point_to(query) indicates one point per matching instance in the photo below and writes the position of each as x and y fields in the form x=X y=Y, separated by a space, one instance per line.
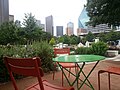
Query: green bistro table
x=77 y=59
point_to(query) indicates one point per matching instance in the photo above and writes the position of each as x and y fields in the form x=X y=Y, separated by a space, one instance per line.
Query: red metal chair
x=30 y=67
x=62 y=51
x=110 y=70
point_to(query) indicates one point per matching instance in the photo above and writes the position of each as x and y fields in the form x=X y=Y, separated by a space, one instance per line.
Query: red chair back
x=24 y=66
x=61 y=51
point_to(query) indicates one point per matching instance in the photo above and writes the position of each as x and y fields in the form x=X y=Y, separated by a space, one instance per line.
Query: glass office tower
x=83 y=18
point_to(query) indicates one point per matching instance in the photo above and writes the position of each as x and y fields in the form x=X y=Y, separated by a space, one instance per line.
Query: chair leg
x=99 y=72
x=62 y=79
x=69 y=72
x=98 y=80
x=53 y=75
x=109 y=80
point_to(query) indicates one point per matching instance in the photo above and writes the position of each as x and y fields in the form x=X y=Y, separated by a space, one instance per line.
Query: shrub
x=41 y=49
x=99 y=48
x=52 y=41
x=45 y=52
x=4 y=76
x=83 y=50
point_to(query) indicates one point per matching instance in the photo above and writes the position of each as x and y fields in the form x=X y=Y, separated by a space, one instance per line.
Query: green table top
x=78 y=58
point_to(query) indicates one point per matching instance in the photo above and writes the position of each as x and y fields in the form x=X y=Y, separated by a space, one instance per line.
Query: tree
x=90 y=37
x=102 y=37
x=52 y=41
x=8 y=33
x=112 y=36
x=33 y=32
x=60 y=39
x=66 y=39
x=103 y=11
x=73 y=40
x=18 y=23
x=46 y=36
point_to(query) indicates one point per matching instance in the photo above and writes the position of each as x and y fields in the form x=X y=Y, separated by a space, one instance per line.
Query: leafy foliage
x=41 y=49
x=60 y=39
x=99 y=48
x=103 y=11
x=66 y=40
x=13 y=33
x=74 y=40
x=83 y=50
x=45 y=52
x=90 y=37
x=69 y=39
x=8 y=33
x=111 y=36
x=32 y=30
x=52 y=41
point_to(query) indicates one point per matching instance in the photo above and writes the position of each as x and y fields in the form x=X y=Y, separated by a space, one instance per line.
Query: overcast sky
x=63 y=11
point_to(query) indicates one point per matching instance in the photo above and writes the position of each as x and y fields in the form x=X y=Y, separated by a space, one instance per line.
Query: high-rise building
x=59 y=30
x=38 y=22
x=70 y=29
x=4 y=11
x=49 y=24
x=81 y=31
x=82 y=19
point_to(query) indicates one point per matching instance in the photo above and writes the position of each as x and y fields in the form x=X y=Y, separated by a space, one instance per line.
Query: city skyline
x=63 y=11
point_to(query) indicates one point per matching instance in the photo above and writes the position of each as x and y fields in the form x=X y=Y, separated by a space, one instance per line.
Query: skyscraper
x=4 y=11
x=82 y=19
x=49 y=24
x=70 y=29
x=42 y=26
x=59 y=30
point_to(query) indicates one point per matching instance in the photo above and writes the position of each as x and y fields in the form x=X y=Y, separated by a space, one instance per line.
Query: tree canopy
x=13 y=33
x=103 y=12
x=90 y=37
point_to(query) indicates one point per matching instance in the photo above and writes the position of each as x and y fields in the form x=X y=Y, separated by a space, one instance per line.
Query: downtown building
x=39 y=24
x=11 y=18
x=70 y=29
x=82 y=19
x=49 y=24
x=59 y=31
x=4 y=11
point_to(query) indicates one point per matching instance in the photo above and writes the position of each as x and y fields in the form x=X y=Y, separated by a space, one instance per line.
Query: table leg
x=65 y=74
x=78 y=75
x=86 y=77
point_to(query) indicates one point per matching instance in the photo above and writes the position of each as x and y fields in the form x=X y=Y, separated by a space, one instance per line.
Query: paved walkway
x=117 y=58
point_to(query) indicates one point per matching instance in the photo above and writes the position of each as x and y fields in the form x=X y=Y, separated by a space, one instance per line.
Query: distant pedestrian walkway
x=116 y=58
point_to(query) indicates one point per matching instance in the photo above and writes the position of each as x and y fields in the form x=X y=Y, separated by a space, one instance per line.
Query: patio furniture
x=63 y=51
x=77 y=59
x=109 y=70
x=30 y=67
